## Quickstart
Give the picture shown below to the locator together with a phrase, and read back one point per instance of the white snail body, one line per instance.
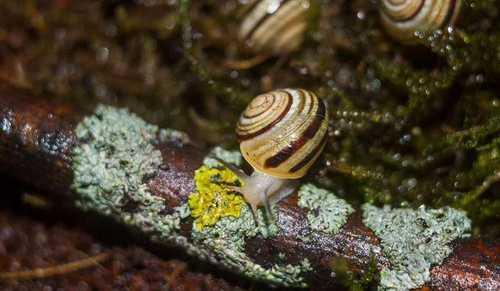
(281, 134)
(402, 18)
(274, 26)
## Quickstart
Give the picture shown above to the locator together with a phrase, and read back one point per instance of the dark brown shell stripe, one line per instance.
(274, 26)
(403, 19)
(277, 146)
(248, 116)
(262, 20)
(297, 144)
(406, 18)
(245, 132)
(311, 157)
(452, 11)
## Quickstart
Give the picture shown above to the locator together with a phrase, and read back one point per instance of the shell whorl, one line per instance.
(275, 26)
(402, 18)
(283, 132)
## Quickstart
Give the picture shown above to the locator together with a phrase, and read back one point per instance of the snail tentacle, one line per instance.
(281, 134)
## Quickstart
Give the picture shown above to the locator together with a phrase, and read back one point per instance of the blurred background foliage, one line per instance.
(409, 124)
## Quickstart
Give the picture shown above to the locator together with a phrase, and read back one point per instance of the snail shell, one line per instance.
(275, 26)
(402, 18)
(283, 132)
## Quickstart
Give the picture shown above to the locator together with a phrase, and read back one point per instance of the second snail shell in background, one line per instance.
(402, 18)
(283, 132)
(274, 26)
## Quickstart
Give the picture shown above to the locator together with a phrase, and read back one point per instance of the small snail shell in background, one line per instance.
(274, 26)
(402, 18)
(281, 134)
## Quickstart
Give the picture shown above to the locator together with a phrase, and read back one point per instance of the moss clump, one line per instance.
(326, 213)
(413, 241)
(115, 157)
(213, 199)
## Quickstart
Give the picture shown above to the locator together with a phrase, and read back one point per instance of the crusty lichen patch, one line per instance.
(172, 135)
(227, 240)
(114, 157)
(232, 157)
(213, 199)
(413, 241)
(226, 237)
(326, 212)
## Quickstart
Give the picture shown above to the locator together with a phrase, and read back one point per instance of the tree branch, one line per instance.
(36, 141)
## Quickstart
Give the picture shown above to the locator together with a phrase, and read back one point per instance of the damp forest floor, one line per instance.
(43, 248)
(409, 125)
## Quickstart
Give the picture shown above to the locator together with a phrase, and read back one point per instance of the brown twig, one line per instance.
(62, 269)
(36, 141)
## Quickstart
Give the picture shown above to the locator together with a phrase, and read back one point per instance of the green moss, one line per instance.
(327, 213)
(354, 281)
(413, 241)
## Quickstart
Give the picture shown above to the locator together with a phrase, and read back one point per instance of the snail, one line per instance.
(402, 18)
(281, 134)
(274, 27)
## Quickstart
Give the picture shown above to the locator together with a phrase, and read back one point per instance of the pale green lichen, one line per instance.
(232, 157)
(111, 165)
(413, 241)
(173, 135)
(114, 157)
(227, 240)
(326, 212)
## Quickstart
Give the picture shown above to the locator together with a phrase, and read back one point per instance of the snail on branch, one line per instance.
(281, 134)
(403, 18)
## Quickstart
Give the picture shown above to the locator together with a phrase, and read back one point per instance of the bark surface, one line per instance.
(36, 139)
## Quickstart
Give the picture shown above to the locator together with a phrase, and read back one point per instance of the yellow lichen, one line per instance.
(213, 198)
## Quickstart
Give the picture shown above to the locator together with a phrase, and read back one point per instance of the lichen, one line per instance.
(172, 135)
(413, 241)
(114, 158)
(232, 157)
(327, 212)
(213, 199)
(226, 239)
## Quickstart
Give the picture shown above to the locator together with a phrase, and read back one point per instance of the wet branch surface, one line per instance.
(36, 139)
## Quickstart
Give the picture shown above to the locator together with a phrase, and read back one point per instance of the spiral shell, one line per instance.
(402, 18)
(275, 26)
(283, 132)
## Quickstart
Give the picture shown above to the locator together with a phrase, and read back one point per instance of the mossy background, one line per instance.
(409, 125)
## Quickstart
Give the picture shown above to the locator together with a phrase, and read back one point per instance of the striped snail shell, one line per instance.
(402, 18)
(283, 132)
(274, 26)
